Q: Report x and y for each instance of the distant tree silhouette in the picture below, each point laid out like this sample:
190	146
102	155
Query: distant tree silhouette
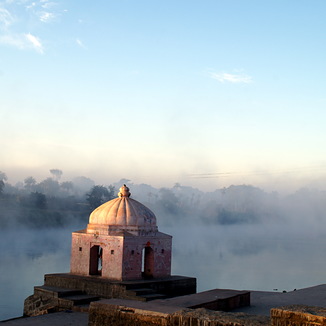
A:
49	187
38	199
3	176
99	195
82	185
56	174
168	201
29	183
67	186
2	185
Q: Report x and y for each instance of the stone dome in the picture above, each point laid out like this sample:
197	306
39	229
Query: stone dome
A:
122	214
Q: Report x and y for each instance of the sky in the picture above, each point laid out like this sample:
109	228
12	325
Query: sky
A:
205	93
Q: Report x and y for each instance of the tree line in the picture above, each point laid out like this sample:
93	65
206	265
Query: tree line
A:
52	203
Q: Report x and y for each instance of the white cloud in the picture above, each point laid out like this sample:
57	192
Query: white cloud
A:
42	10
47	5
80	43
231	78
22	41
6	18
29	6
35	42
18	16
17	41
46	16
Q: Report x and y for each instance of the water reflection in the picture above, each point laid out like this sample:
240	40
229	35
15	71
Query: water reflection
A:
256	257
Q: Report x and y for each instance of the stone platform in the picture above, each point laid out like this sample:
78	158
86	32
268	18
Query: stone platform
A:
120	312
75	292
292	308
137	289
217	299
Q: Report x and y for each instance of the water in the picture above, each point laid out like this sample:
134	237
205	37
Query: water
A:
252	257
26	255
243	257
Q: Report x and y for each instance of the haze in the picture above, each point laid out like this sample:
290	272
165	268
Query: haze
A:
206	93
239	237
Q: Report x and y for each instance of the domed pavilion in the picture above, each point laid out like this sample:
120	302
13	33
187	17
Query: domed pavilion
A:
121	242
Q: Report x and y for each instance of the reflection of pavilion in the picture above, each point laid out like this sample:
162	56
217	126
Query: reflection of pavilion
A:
121	242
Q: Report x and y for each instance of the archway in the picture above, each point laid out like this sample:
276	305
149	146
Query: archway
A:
147	262
95	260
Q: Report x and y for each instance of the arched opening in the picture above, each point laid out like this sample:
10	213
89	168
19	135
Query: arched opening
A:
95	260
147	262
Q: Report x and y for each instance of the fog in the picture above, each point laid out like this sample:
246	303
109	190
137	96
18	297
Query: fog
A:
239	237
26	255
251	257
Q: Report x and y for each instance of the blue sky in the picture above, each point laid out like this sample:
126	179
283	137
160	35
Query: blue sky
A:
205	93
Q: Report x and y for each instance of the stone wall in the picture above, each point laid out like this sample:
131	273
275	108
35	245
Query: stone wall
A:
46	301
106	314
298	315
36	305
100	287
121	255
171	286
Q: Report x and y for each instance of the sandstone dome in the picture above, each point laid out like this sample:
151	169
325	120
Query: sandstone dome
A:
122	214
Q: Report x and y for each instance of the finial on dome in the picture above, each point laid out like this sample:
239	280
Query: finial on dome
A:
124	191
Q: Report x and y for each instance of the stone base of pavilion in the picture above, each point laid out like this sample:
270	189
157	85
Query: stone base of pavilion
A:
141	290
75	292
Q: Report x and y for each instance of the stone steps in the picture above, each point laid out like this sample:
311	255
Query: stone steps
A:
81	307
55	292
141	291
153	296
146	294
72	299
79	299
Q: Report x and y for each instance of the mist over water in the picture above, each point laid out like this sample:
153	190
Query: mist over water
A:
250	257
26	255
239	237
243	257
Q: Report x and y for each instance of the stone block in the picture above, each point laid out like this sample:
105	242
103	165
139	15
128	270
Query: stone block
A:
298	315
124	312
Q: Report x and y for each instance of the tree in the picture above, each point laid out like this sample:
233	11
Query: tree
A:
56	174
3	176
29	183
168	201
111	190
99	195
82	185
67	186
38	199
49	187
2	185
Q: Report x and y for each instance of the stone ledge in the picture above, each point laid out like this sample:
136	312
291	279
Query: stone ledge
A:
216	299
298	315
129	313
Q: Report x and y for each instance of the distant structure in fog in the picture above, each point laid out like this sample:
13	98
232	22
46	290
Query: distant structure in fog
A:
121	242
